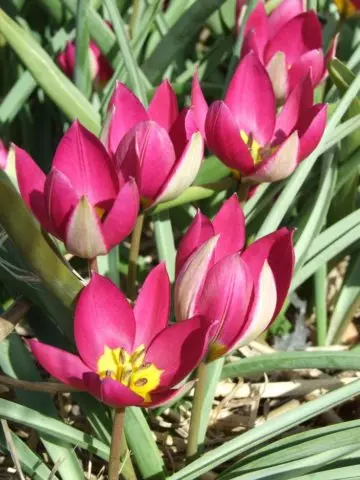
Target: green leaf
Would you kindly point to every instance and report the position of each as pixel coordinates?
(165, 243)
(212, 170)
(320, 290)
(59, 88)
(82, 74)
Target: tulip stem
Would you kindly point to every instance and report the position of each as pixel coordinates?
(242, 192)
(116, 444)
(93, 265)
(200, 390)
(133, 256)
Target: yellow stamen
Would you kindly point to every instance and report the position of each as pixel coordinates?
(99, 212)
(346, 7)
(216, 350)
(253, 146)
(130, 370)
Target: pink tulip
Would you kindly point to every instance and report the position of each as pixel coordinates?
(157, 146)
(127, 356)
(248, 135)
(242, 290)
(288, 43)
(3, 156)
(100, 69)
(81, 201)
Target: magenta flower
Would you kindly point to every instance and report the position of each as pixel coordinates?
(81, 201)
(288, 43)
(100, 69)
(248, 135)
(3, 156)
(157, 146)
(242, 290)
(127, 356)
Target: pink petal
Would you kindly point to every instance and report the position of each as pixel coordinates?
(283, 13)
(64, 366)
(83, 233)
(281, 164)
(152, 307)
(103, 317)
(226, 298)
(258, 24)
(184, 171)
(146, 149)
(3, 156)
(104, 70)
(126, 111)
(278, 73)
(60, 200)
(301, 34)
(179, 349)
(330, 55)
(251, 99)
(251, 44)
(223, 138)
(121, 219)
(277, 249)
(111, 392)
(66, 59)
(313, 61)
(191, 279)
(299, 101)
(229, 224)
(200, 230)
(81, 157)
(163, 107)
(311, 127)
(182, 130)
(199, 106)
(31, 180)
(162, 397)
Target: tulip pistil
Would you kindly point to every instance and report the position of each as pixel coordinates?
(257, 152)
(130, 370)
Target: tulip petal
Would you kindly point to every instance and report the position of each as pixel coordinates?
(163, 107)
(83, 235)
(226, 298)
(66, 59)
(200, 230)
(162, 397)
(178, 349)
(311, 128)
(152, 307)
(251, 99)
(330, 55)
(258, 24)
(301, 34)
(191, 279)
(103, 317)
(182, 130)
(125, 111)
(283, 13)
(121, 219)
(281, 164)
(60, 198)
(229, 224)
(81, 157)
(3, 156)
(298, 102)
(64, 366)
(199, 107)
(31, 180)
(278, 74)
(223, 138)
(184, 171)
(111, 392)
(312, 61)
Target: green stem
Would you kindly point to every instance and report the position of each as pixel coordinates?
(134, 17)
(133, 256)
(242, 192)
(195, 420)
(115, 448)
(320, 283)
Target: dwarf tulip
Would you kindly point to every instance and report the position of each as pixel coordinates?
(127, 356)
(242, 290)
(157, 146)
(100, 69)
(81, 201)
(348, 8)
(288, 43)
(246, 133)
(3, 156)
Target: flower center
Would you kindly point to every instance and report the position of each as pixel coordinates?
(130, 370)
(257, 152)
(99, 212)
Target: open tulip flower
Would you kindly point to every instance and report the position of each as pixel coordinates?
(127, 356)
(100, 69)
(158, 147)
(81, 201)
(248, 135)
(288, 43)
(242, 290)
